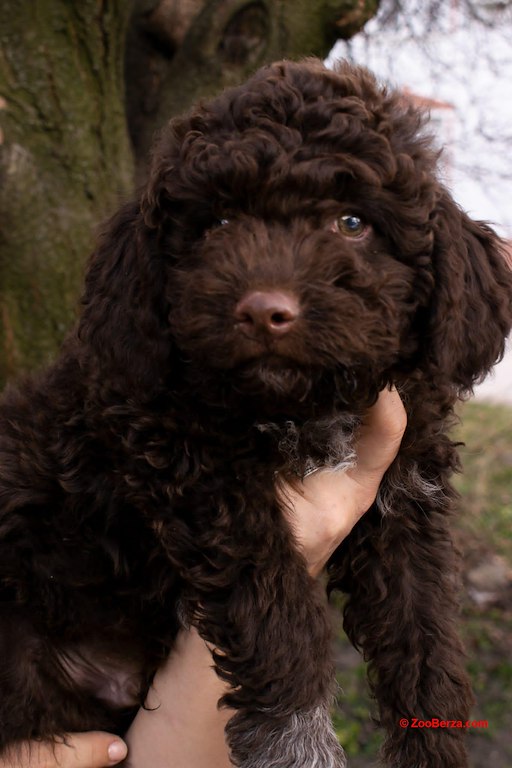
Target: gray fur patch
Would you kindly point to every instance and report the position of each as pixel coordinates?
(306, 740)
(324, 444)
(408, 483)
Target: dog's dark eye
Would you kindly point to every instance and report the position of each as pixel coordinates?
(216, 224)
(351, 226)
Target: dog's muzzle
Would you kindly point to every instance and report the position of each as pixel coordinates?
(266, 314)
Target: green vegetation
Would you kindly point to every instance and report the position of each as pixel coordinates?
(486, 483)
(484, 534)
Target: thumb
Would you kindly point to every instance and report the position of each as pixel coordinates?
(378, 441)
(80, 750)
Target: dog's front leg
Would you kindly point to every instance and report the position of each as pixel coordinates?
(277, 658)
(400, 572)
(252, 599)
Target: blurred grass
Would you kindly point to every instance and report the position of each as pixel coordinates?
(486, 483)
(484, 533)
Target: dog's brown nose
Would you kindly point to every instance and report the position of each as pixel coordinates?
(273, 312)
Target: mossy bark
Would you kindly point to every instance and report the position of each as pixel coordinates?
(65, 159)
(69, 139)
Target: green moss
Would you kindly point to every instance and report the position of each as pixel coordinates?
(64, 162)
(313, 28)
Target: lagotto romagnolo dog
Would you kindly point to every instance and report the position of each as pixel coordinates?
(292, 253)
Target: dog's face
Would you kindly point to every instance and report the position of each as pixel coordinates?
(308, 251)
(290, 307)
(297, 194)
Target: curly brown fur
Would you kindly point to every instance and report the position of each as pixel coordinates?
(137, 474)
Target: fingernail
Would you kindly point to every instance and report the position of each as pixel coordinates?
(117, 751)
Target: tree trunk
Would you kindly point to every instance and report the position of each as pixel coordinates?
(65, 154)
(65, 159)
(194, 48)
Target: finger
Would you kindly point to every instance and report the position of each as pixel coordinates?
(377, 444)
(91, 750)
(379, 437)
(79, 750)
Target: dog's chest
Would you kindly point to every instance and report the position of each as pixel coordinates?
(303, 448)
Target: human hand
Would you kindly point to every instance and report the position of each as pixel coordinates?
(81, 750)
(324, 507)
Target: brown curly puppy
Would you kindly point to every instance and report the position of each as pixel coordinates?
(292, 254)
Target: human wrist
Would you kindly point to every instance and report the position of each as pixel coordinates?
(185, 691)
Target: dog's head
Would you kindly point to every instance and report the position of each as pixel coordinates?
(294, 244)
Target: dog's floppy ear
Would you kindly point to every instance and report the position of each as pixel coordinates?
(471, 311)
(123, 327)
